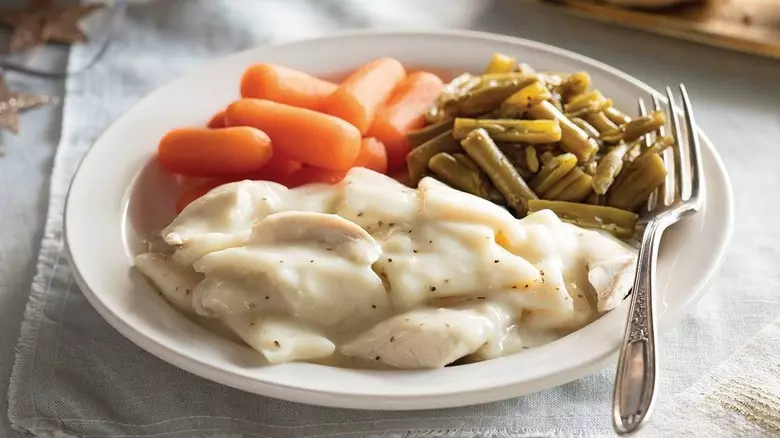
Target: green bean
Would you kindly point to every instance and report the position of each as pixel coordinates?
(640, 126)
(577, 191)
(556, 102)
(531, 160)
(518, 103)
(601, 122)
(515, 153)
(616, 116)
(546, 157)
(492, 193)
(487, 98)
(594, 199)
(466, 161)
(585, 126)
(454, 173)
(636, 188)
(417, 159)
(452, 92)
(558, 188)
(481, 148)
(516, 78)
(500, 63)
(573, 139)
(586, 103)
(422, 135)
(590, 167)
(553, 171)
(609, 168)
(574, 85)
(621, 223)
(509, 130)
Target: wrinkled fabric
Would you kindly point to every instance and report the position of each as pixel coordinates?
(74, 375)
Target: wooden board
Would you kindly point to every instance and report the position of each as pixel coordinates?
(751, 26)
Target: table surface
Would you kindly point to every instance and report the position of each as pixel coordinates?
(737, 96)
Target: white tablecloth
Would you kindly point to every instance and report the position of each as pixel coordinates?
(737, 100)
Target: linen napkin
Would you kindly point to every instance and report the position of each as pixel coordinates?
(76, 376)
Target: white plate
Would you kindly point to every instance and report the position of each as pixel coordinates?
(119, 196)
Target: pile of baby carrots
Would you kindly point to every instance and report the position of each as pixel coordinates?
(293, 128)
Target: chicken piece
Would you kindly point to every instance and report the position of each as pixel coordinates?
(222, 218)
(318, 265)
(427, 338)
(319, 231)
(448, 259)
(216, 297)
(176, 283)
(440, 202)
(375, 202)
(279, 339)
(611, 280)
(611, 267)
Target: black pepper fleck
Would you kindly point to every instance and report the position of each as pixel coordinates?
(360, 214)
(433, 288)
(267, 297)
(391, 224)
(480, 298)
(187, 292)
(389, 260)
(410, 231)
(495, 261)
(414, 251)
(430, 241)
(514, 287)
(373, 306)
(328, 249)
(446, 324)
(446, 280)
(392, 338)
(311, 261)
(377, 358)
(380, 223)
(579, 295)
(526, 286)
(277, 343)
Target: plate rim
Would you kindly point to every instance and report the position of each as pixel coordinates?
(397, 402)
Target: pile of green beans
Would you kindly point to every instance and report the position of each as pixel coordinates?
(538, 140)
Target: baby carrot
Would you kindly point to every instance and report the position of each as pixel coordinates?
(214, 152)
(312, 175)
(217, 120)
(372, 155)
(285, 85)
(404, 112)
(278, 170)
(357, 98)
(299, 134)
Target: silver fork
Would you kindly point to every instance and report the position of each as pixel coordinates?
(635, 383)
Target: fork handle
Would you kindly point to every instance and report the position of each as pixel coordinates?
(635, 382)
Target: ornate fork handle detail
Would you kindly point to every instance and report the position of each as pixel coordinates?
(636, 378)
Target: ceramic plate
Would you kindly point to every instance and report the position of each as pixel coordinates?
(119, 197)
